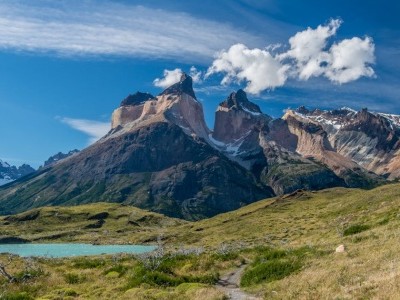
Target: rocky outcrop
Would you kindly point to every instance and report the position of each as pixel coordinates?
(136, 99)
(236, 116)
(177, 104)
(268, 147)
(314, 142)
(358, 140)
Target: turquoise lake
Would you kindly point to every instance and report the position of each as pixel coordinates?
(69, 250)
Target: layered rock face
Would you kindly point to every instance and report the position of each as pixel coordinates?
(131, 109)
(358, 139)
(266, 147)
(238, 123)
(176, 104)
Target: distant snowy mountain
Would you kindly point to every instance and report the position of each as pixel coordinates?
(10, 173)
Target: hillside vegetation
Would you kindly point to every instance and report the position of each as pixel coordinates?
(287, 243)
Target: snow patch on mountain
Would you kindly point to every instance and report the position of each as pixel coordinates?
(231, 149)
(393, 119)
(4, 164)
(249, 111)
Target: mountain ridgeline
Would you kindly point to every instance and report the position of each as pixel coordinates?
(160, 155)
(9, 173)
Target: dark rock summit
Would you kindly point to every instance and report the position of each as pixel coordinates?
(184, 86)
(238, 100)
(137, 98)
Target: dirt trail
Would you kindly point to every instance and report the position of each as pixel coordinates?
(229, 284)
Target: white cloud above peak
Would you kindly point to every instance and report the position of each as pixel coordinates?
(173, 76)
(308, 56)
(258, 67)
(170, 77)
(94, 129)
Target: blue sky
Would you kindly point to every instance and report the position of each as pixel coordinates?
(66, 65)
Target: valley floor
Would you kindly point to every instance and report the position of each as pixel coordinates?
(287, 245)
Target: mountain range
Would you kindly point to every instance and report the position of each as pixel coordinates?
(9, 173)
(160, 155)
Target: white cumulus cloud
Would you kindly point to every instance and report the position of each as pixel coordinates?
(196, 74)
(306, 48)
(350, 59)
(94, 129)
(173, 76)
(309, 55)
(259, 68)
(170, 77)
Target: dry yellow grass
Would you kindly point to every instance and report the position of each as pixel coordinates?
(369, 269)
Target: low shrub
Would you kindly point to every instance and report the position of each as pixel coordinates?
(120, 269)
(274, 264)
(72, 278)
(269, 271)
(354, 229)
(167, 278)
(16, 296)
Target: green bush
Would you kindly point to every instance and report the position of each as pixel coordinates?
(72, 278)
(269, 271)
(17, 296)
(120, 269)
(166, 278)
(354, 229)
(28, 274)
(274, 264)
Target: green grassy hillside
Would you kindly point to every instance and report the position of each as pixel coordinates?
(288, 244)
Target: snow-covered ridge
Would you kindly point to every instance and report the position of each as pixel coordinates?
(337, 121)
(4, 164)
(393, 119)
(336, 118)
(232, 148)
(249, 111)
(10, 173)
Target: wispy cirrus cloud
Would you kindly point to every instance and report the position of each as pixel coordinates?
(72, 28)
(94, 129)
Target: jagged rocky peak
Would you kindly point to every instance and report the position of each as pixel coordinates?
(176, 104)
(184, 86)
(302, 110)
(136, 99)
(238, 101)
(10, 173)
(58, 157)
(237, 117)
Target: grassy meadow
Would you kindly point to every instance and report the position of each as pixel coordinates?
(286, 243)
